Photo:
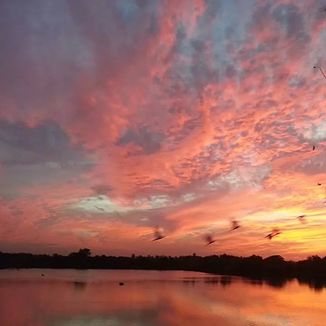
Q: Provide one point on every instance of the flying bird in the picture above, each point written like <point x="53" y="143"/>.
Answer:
<point x="235" y="225"/>
<point x="158" y="234"/>
<point x="100" y="208"/>
<point x="273" y="234"/>
<point x="321" y="70"/>
<point x="318" y="184"/>
<point x="301" y="218"/>
<point x="209" y="239"/>
<point x="313" y="147"/>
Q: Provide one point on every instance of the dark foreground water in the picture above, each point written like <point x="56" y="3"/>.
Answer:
<point x="94" y="298"/>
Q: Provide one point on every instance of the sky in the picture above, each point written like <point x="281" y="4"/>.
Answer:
<point x="117" y="117"/>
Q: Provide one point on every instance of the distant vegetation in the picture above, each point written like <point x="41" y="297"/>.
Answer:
<point x="311" y="270"/>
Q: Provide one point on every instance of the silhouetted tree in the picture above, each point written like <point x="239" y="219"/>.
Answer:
<point x="82" y="253"/>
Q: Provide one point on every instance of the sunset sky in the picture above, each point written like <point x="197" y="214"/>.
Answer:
<point x="120" y="116"/>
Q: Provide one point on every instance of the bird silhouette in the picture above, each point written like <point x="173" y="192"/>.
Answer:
<point x="318" y="184"/>
<point x="313" y="147"/>
<point x="209" y="239"/>
<point x="100" y="208"/>
<point x="235" y="225"/>
<point x="321" y="70"/>
<point x="273" y="234"/>
<point x="301" y="218"/>
<point x="158" y="234"/>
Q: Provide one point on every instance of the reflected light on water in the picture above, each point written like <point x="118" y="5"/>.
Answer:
<point x="70" y="298"/>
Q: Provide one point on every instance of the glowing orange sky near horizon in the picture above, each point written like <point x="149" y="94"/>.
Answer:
<point x="119" y="116"/>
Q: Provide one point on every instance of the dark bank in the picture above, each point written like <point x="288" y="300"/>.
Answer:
<point x="274" y="268"/>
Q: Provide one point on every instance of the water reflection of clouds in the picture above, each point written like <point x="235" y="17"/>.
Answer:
<point x="103" y="321"/>
<point x="167" y="301"/>
<point x="98" y="321"/>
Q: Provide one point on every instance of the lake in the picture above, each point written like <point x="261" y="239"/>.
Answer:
<point x="42" y="297"/>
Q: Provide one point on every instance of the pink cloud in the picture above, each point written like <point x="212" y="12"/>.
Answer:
<point x="185" y="115"/>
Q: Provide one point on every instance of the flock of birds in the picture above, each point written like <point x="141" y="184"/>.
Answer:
<point x="210" y="239"/>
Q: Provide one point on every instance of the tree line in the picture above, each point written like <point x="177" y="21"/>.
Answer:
<point x="311" y="270"/>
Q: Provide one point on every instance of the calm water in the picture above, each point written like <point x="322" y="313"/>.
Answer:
<point x="70" y="297"/>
